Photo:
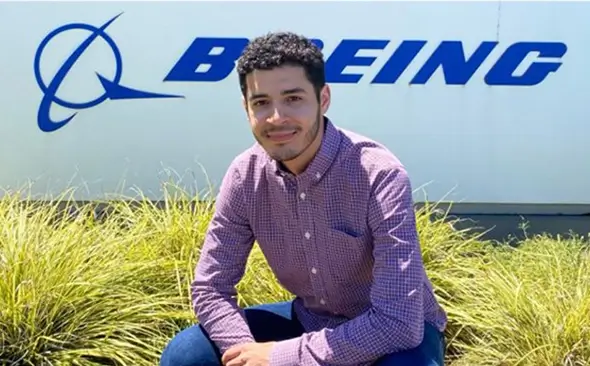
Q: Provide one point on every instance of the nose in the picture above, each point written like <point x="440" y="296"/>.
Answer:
<point x="277" y="116"/>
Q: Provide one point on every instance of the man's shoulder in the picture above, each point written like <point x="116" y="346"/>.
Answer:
<point x="249" y="163"/>
<point x="368" y="154"/>
<point x="371" y="164"/>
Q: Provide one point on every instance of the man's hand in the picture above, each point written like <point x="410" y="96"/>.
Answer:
<point x="248" y="354"/>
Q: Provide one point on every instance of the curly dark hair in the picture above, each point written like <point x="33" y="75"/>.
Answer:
<point x="282" y="48"/>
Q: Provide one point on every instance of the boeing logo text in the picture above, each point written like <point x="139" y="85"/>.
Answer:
<point x="112" y="88"/>
<point x="518" y="64"/>
<point x="449" y="55"/>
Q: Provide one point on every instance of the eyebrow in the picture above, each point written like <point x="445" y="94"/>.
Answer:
<point x="284" y="92"/>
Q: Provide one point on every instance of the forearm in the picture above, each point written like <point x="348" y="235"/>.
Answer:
<point x="220" y="316"/>
<point x="359" y="341"/>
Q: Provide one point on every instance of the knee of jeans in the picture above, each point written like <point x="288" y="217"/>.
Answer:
<point x="189" y="347"/>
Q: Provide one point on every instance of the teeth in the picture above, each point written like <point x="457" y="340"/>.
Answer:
<point x="282" y="133"/>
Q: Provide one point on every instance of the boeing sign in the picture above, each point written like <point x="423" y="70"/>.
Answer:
<point x="448" y="55"/>
<point x="112" y="88"/>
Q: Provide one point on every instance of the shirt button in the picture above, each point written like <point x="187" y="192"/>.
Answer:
<point x="314" y="271"/>
<point x="322" y="301"/>
<point x="318" y="175"/>
<point x="307" y="235"/>
<point x="302" y="195"/>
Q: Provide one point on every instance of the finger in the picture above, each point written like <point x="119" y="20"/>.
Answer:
<point x="230" y="354"/>
<point x="238" y="361"/>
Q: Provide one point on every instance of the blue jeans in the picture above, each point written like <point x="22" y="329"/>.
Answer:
<point x="276" y="322"/>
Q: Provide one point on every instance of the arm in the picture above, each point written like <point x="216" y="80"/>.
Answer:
<point x="222" y="262"/>
<point x="395" y="321"/>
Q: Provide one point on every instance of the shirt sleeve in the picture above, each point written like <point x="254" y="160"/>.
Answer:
<point x="228" y="242"/>
<point x="395" y="321"/>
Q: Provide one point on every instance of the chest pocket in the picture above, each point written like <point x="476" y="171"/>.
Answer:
<point x="350" y="256"/>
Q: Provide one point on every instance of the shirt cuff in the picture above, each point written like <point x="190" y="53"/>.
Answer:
<point x="285" y="353"/>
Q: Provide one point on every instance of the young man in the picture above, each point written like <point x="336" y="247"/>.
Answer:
<point x="332" y="212"/>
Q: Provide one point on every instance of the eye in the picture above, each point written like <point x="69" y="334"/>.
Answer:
<point x="259" y="103"/>
<point x="293" y="98"/>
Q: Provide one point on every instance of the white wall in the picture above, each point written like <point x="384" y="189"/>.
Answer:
<point x="513" y="144"/>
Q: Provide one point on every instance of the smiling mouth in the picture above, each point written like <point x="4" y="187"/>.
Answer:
<point x="281" y="136"/>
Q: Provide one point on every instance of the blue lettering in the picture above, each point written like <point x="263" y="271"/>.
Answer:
<point x="502" y="73"/>
<point x="220" y="64"/>
<point x="450" y="56"/>
<point x="345" y="55"/>
<point x="318" y="42"/>
<point x="199" y="53"/>
<point x="398" y="62"/>
<point x="220" y="55"/>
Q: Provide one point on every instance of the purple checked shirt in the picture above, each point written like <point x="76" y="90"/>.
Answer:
<point x="341" y="236"/>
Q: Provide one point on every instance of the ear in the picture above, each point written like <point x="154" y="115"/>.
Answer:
<point x="325" y="98"/>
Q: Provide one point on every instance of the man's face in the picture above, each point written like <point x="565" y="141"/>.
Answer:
<point x="284" y="111"/>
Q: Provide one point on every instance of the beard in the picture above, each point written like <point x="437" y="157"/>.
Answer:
<point x="286" y="153"/>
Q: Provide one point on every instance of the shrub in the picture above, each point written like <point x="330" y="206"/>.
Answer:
<point x="113" y="289"/>
<point x="528" y="305"/>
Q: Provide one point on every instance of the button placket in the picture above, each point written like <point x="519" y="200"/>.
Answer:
<point x="304" y="207"/>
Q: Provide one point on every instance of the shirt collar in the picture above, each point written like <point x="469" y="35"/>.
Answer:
<point x="323" y="159"/>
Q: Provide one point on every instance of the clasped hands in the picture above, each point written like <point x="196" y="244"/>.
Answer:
<point x="248" y="354"/>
